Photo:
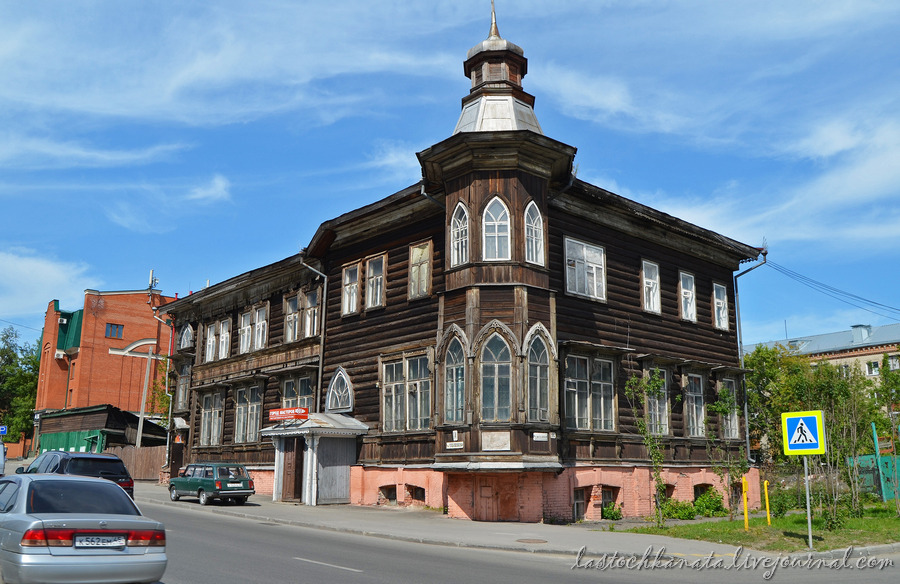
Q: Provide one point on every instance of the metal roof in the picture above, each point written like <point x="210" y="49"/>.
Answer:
<point x="857" y="337"/>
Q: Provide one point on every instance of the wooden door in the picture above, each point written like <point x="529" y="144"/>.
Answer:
<point x="292" y="479"/>
<point x="486" y="499"/>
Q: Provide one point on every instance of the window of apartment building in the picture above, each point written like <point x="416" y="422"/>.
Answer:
<point x="694" y="410"/>
<point x="186" y="338"/>
<point x="340" y="393"/>
<point x="495" y="229"/>
<point x="730" y="426"/>
<point x="495" y="380"/>
<point x="720" y="306"/>
<point x="311" y="314"/>
<point x="217" y="341"/>
<point x="247" y="410"/>
<point x="872" y="368"/>
<point x="459" y="237"/>
<point x="183" y="386"/>
<point x="590" y="398"/>
<point x="224" y="338"/>
<point x="658" y="403"/>
<point x="259" y="328"/>
<point x="375" y="282"/>
<point x="210" y="353"/>
<point x="406" y="391"/>
<point x="585" y="272"/>
<point x="211" y="410"/>
<point x="350" y="290"/>
<point x="894" y="362"/>
<point x="291" y="318"/>
<point x="650" y="276"/>
<point x="419" y="270"/>
<point x="297" y="392"/>
<point x="114" y="331"/>
<point x="245" y="333"/>
<point x="688" y="298"/>
<point x="534" y="235"/>
<point x="454" y="383"/>
<point x="538" y="382"/>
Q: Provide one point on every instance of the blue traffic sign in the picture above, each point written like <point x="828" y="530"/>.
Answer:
<point x="803" y="432"/>
<point x="2" y="430"/>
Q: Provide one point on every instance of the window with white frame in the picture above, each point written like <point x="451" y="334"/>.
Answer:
<point x="211" y="410"/>
<point x="688" y="297"/>
<point x="297" y="392"/>
<point x="590" y="397"/>
<point x="186" y="339"/>
<point x="245" y="332"/>
<point x="496" y="367"/>
<point x="495" y="230"/>
<point x="694" y="408"/>
<point x="534" y="235"/>
<point x="730" y="427"/>
<point x="311" y="314"/>
<point x="454" y="383"/>
<point x="259" y="328"/>
<point x="872" y="368"/>
<point x="210" y="353"/>
<point x="419" y="270"/>
<point x="247" y="409"/>
<point x="658" y="403"/>
<point x="224" y="338"/>
<point x="538" y="382"/>
<point x="894" y="362"/>
<point x="340" y="393"/>
<point x="350" y="290"/>
<point x="720" y="306"/>
<point x="459" y="237"/>
<point x="291" y="318"/>
<point x="182" y="389"/>
<point x="406" y="391"/>
<point x="375" y="282"/>
<point x="650" y="272"/>
<point x="585" y="271"/>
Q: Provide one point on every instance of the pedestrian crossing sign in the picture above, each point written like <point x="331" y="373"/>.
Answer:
<point x="803" y="432"/>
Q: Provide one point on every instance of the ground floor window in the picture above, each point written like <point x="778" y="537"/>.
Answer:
<point x="247" y="406"/>
<point x="580" y="504"/>
<point x="211" y="409"/>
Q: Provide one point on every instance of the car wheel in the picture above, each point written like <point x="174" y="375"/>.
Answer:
<point x="240" y="500"/>
<point x="173" y="495"/>
<point x="204" y="498"/>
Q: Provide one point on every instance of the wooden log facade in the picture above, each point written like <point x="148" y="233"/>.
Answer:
<point x="476" y="334"/>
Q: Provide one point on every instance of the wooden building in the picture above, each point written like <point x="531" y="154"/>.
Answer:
<point x="475" y="336"/>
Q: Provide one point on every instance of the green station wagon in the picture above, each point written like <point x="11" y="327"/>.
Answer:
<point x="227" y="481"/>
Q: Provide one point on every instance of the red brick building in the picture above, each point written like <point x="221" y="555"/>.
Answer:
<point x="98" y="353"/>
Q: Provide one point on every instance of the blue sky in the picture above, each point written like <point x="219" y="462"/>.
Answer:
<point x="205" y="139"/>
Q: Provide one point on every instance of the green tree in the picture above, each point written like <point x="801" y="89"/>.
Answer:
<point x="19" y="366"/>
<point x="889" y="400"/>
<point x="638" y="389"/>
<point x="729" y="463"/>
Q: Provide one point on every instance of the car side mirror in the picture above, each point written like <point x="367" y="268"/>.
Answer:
<point x="20" y="469"/>
<point x="181" y="473"/>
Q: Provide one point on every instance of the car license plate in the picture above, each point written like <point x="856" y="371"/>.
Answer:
<point x="99" y="541"/>
<point x="235" y="485"/>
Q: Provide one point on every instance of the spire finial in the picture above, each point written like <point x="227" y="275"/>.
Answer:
<point x="495" y="32"/>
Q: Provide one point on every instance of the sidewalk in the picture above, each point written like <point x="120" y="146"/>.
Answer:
<point x="431" y="527"/>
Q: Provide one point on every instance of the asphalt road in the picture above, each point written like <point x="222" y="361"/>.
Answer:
<point x="210" y="548"/>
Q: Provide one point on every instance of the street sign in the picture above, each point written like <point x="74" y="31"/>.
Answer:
<point x="2" y="430"/>
<point x="803" y="433"/>
<point x="289" y="414"/>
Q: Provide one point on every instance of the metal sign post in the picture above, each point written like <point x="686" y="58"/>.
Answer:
<point x="804" y="434"/>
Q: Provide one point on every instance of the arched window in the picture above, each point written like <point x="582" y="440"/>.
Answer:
<point x="459" y="237"/>
<point x="340" y="393"/>
<point x="534" y="235"/>
<point x="495" y="226"/>
<point x="495" y="380"/>
<point x="538" y="382"/>
<point x="455" y="383"/>
<point x="187" y="337"/>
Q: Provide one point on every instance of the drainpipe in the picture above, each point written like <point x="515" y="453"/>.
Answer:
<point x="737" y="308"/>
<point x="323" y="306"/>
<point x="171" y="326"/>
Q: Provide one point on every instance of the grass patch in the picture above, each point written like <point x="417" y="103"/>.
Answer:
<point x="789" y="534"/>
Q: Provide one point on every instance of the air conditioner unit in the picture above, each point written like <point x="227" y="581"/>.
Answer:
<point x="60" y="355"/>
<point x="63" y="321"/>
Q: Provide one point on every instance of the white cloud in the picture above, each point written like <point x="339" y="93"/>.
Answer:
<point x="218" y="189"/>
<point x="30" y="281"/>
<point x="26" y="152"/>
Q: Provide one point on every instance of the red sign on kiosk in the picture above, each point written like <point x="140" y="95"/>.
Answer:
<point x="289" y="414"/>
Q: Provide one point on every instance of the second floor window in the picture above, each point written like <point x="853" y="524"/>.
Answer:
<point x="114" y="331"/>
<point x="259" y="329"/>
<point x="211" y="343"/>
<point x="590" y="397"/>
<point x="245" y="333"/>
<point x="534" y="235"/>
<point x="585" y="270"/>
<point x="375" y="282"/>
<point x="688" y="298"/>
<point x="459" y="237"/>
<point x="651" y="287"/>
<point x="495" y="380"/>
<point x="311" y="314"/>
<point x="495" y="227"/>
<point x="720" y="306"/>
<point x="224" y="338"/>
<point x="292" y="321"/>
<point x="350" y="290"/>
<point x="420" y="270"/>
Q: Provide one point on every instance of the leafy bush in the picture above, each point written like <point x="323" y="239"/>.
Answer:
<point x="781" y="501"/>
<point x="611" y="512"/>
<point x="710" y="504"/>
<point x="673" y="509"/>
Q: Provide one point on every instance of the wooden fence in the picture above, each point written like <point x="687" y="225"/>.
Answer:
<point x="143" y="465"/>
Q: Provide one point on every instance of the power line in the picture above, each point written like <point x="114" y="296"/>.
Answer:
<point x="854" y="300"/>
<point x="19" y="325"/>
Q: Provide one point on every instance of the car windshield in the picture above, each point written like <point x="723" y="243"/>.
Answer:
<point x="97" y="467"/>
<point x="232" y="472"/>
<point x="78" y="497"/>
